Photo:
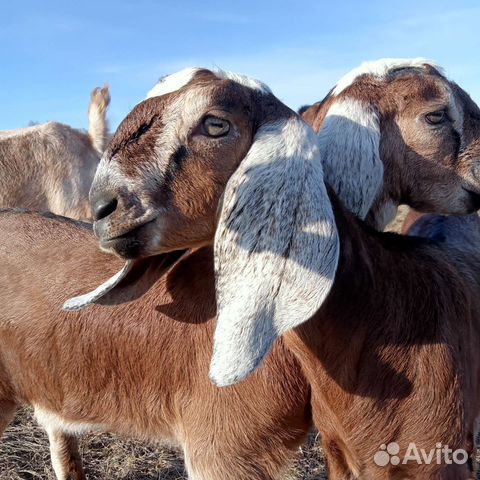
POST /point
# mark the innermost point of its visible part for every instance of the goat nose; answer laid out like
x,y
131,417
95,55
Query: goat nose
x,y
103,208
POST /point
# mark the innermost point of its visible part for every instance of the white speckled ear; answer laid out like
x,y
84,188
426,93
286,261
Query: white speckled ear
x,y
349,143
82,301
276,248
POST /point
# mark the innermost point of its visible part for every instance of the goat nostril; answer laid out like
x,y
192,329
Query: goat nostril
x,y
104,209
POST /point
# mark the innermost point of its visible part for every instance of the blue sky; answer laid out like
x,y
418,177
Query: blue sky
x,y
52,53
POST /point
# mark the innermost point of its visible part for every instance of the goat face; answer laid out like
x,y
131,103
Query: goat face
x,y
434,137
220,160
398,131
159,183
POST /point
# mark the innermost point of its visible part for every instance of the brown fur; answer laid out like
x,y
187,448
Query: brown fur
x,y
142,154
50,167
394,359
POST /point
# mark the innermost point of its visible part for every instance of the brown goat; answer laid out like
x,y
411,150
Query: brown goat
x,y
140,369
406,116
50,167
281,255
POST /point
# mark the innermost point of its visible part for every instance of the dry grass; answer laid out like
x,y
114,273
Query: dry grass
x,y
24,456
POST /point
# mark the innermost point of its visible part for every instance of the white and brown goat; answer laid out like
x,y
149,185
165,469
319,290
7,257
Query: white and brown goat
x,y
416,127
50,167
383,358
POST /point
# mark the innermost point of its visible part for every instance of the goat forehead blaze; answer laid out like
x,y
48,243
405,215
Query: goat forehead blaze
x,y
157,129
382,69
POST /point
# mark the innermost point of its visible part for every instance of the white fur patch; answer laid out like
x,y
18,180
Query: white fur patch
x,y
243,80
187,108
109,168
173,82
276,248
349,143
52,422
379,68
82,301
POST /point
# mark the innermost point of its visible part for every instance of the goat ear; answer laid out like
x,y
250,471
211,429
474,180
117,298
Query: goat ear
x,y
131,282
349,142
276,248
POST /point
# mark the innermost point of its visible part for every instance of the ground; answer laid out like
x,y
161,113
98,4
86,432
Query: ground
x,y
24,456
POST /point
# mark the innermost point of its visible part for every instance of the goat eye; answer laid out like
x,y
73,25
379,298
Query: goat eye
x,y
435,118
215,127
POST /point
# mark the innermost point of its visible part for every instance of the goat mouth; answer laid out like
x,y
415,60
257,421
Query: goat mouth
x,y
474,199
130,244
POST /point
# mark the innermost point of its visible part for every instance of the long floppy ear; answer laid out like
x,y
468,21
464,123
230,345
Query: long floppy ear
x,y
276,247
349,142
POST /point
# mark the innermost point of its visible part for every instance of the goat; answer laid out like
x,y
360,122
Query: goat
x,y
381,306
141,369
421,130
50,167
284,248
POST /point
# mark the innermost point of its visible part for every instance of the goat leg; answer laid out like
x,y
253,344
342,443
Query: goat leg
x,y
65,457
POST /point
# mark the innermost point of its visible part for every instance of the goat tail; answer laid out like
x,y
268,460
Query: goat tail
x,y
97,118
